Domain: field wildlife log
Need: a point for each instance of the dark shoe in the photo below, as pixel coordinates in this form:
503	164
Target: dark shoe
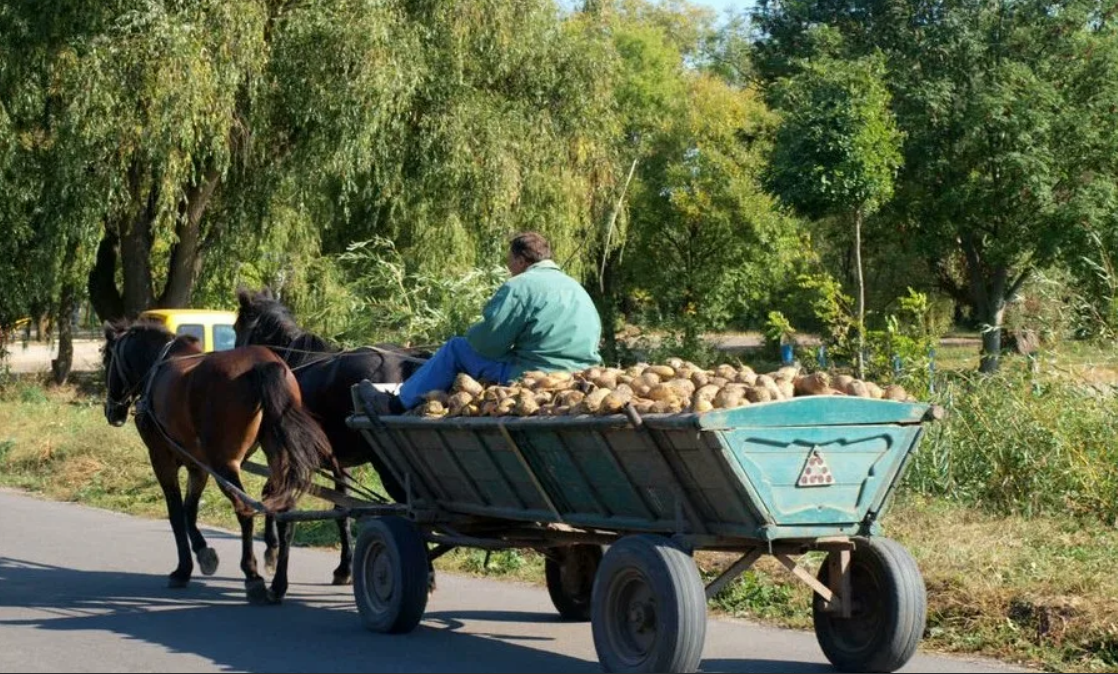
387	404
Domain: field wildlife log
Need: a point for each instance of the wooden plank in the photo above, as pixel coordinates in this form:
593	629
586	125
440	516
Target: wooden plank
802	573
739	567
531	473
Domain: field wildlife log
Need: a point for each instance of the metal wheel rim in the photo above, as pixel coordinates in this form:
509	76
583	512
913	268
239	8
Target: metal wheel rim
380	578
633	625
866	621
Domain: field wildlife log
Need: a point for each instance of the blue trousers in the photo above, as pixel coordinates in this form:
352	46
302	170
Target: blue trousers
439	372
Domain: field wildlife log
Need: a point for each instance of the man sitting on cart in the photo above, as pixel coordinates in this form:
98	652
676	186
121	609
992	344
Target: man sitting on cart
540	319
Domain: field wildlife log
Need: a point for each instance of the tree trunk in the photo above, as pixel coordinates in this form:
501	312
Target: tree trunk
187	255
990	291
103	293
861	293
60	367
135	258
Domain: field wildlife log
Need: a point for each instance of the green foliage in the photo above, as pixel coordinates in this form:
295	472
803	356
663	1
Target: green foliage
778	331
1010	444
838	146
381	301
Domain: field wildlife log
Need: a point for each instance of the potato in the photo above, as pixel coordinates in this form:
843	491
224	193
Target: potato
569	398
728	398
663	392
464	382
593	401
874	390
526	405
728	372
685	386
759	394
432	408
858	388
815	383
842	382
700	378
708	392
701	405
895	392
615	402
661	371
606	380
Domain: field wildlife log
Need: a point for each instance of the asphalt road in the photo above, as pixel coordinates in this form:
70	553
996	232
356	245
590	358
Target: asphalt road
83	590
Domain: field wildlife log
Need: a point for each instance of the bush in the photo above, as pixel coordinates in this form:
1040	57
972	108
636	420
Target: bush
1010	445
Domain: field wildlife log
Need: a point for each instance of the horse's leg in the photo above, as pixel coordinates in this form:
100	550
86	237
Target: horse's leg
271	543
279	581
343	575
167	474
254	584
207	556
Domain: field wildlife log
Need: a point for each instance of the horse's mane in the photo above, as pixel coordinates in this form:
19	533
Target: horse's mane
276	326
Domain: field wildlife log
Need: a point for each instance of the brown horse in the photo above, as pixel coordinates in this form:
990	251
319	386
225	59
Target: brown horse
326	374
215	408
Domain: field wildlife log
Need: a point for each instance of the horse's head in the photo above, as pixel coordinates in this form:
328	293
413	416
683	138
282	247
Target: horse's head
261	319
129	351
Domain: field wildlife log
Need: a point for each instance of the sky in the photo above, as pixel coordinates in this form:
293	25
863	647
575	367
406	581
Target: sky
722	5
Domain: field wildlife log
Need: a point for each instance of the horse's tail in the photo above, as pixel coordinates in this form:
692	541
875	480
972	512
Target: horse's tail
293	441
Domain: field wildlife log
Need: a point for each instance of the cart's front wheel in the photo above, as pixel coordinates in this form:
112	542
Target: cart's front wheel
390	575
648	608
888	610
570	579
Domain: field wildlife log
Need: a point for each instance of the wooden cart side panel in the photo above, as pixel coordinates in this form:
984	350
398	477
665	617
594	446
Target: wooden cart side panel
708	475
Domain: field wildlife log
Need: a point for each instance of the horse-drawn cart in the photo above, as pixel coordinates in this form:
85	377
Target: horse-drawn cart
786	478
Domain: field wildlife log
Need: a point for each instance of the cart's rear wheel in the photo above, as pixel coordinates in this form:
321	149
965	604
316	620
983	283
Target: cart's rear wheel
390	575
648	608
888	611
570	579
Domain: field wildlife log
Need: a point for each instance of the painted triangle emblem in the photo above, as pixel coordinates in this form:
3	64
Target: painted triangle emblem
816	472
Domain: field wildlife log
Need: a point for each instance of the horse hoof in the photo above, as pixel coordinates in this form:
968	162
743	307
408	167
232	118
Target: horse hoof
270	557
258	592
176	582
343	578
207	561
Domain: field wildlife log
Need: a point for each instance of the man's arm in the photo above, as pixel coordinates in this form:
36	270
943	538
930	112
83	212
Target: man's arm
503	318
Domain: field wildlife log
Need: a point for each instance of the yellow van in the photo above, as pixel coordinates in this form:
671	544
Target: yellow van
214	329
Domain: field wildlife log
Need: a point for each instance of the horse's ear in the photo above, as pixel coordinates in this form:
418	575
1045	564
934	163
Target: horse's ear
244	297
266	293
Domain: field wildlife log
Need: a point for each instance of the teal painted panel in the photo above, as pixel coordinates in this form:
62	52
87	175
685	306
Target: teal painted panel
710	480
816	411
557	471
861	459
596	457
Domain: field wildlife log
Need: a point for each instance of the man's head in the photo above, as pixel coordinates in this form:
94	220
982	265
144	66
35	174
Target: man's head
525	250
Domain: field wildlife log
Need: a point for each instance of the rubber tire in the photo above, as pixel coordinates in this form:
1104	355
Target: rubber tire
396	545
574	607
890	610
652	564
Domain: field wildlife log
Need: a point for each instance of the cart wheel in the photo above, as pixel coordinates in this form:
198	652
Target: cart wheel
390	575
888	612
570	579
649	608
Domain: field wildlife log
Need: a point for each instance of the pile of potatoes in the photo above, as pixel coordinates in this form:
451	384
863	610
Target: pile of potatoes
672	388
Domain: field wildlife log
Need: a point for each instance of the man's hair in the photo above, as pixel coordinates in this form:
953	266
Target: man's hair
531	246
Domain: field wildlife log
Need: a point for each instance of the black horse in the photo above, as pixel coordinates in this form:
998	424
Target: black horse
326	375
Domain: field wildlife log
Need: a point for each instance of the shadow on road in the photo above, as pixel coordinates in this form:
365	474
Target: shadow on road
310	632
315	630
